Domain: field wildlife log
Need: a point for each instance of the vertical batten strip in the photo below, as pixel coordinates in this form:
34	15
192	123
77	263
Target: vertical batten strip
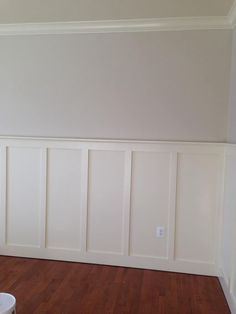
232	287
127	202
84	198
43	197
172	206
3	204
219	215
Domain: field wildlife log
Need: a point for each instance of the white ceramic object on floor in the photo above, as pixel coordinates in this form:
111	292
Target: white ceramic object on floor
7	303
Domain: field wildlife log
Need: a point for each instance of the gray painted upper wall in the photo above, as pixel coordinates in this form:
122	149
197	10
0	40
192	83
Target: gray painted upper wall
153	85
232	98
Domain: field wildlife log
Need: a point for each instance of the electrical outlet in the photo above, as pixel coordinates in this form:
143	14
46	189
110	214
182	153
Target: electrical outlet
160	232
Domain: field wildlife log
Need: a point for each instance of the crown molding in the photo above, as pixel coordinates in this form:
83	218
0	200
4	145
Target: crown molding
232	15
113	26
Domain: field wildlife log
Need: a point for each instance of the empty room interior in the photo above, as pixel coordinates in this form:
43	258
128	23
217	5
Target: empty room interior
118	156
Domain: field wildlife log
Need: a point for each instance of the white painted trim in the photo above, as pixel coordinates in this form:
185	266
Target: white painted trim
43	198
230	300
227	279
232	15
127	147
113	258
3	196
113	26
116	259
220	215
172	206
8	139
84	198
127	202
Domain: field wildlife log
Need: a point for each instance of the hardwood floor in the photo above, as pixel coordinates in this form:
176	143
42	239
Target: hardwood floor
53	287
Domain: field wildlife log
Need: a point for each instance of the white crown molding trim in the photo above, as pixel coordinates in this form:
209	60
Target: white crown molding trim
232	15
113	26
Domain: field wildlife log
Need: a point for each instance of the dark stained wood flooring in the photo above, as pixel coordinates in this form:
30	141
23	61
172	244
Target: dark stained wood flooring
42	286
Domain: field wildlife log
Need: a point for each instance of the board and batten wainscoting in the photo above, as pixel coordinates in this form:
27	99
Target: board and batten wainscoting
227	266
101	201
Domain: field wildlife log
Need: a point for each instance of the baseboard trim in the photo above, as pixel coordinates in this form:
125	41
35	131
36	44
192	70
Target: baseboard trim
230	300
102	258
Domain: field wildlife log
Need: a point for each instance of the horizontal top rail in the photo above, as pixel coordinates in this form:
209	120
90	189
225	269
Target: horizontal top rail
106	140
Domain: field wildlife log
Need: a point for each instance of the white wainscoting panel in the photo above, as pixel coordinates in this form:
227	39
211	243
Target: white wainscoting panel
101	201
63	217
228	250
150	203
105	201
197	190
23	196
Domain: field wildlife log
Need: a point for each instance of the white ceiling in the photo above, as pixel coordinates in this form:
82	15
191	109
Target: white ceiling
38	11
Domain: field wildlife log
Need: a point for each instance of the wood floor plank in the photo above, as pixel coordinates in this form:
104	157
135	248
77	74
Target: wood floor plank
54	287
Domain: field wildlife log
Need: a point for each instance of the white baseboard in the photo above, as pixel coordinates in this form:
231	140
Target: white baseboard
230	299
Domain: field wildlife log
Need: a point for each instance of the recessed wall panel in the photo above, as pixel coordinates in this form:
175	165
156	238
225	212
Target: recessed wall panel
23	196
149	203
64	199
197	188
105	201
